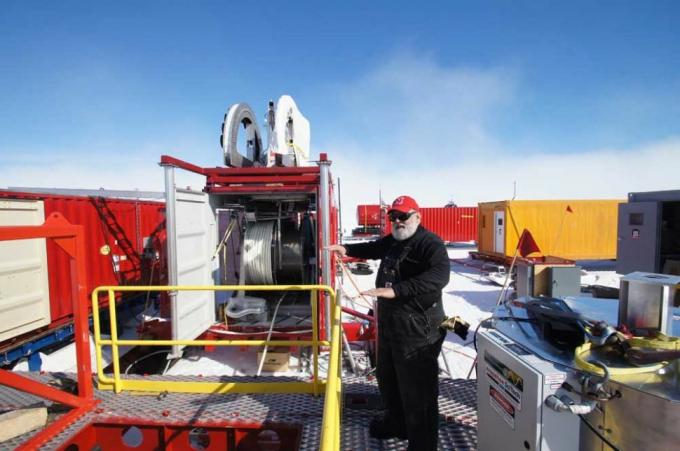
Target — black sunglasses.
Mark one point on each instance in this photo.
(401, 217)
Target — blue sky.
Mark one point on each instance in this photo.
(405, 96)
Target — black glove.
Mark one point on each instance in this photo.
(456, 324)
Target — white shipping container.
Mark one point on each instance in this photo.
(24, 287)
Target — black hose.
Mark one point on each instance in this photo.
(596, 432)
(474, 336)
(145, 357)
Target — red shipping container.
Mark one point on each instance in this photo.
(368, 215)
(124, 240)
(451, 224)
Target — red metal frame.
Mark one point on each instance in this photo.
(71, 239)
(214, 435)
(307, 179)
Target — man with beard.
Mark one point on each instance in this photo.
(413, 270)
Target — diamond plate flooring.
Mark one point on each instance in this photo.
(457, 405)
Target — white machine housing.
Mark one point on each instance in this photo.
(512, 385)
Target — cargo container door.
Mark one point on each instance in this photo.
(24, 289)
(499, 235)
(193, 312)
(637, 240)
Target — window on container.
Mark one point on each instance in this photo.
(636, 219)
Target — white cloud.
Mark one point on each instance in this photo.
(602, 174)
(414, 108)
(431, 138)
(94, 170)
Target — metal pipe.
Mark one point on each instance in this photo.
(171, 230)
(324, 207)
(345, 341)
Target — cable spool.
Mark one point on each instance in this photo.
(258, 253)
(272, 255)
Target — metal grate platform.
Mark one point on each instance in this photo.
(457, 404)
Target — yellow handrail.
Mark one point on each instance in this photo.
(330, 435)
(119, 384)
(332, 408)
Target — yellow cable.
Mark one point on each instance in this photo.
(659, 342)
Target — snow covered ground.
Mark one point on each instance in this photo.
(467, 295)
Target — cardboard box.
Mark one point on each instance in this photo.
(277, 359)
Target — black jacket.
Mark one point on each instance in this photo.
(422, 272)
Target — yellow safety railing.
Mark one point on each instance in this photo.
(118, 384)
(332, 413)
(332, 408)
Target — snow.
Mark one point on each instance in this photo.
(468, 295)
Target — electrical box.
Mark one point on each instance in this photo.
(564, 281)
(512, 385)
(550, 276)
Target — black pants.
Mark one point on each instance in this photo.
(408, 373)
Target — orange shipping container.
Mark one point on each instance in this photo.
(572, 229)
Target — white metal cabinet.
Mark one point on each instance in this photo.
(24, 286)
(193, 312)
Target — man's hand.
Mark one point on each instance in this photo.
(338, 249)
(387, 293)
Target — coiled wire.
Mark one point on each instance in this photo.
(257, 253)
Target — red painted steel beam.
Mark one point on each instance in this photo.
(264, 179)
(27, 385)
(81, 330)
(261, 189)
(55, 227)
(172, 161)
(299, 170)
(358, 314)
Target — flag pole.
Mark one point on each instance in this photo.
(522, 237)
(559, 232)
(509, 273)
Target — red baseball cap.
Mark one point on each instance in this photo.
(404, 204)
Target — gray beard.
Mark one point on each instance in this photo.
(405, 233)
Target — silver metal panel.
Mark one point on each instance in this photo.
(637, 237)
(639, 421)
(524, 283)
(647, 301)
(565, 281)
(24, 288)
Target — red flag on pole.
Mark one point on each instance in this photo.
(569, 209)
(527, 245)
